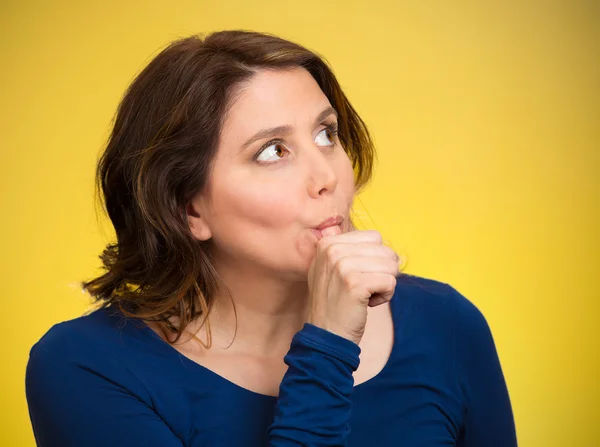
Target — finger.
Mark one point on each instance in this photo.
(365, 264)
(376, 300)
(337, 251)
(333, 235)
(331, 231)
(368, 236)
(375, 285)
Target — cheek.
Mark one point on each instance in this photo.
(261, 207)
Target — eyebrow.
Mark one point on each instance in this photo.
(286, 130)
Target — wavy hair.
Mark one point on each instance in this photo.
(163, 140)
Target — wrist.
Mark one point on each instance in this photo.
(336, 329)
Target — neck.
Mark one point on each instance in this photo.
(262, 311)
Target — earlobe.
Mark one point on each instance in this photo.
(198, 225)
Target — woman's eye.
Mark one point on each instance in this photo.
(276, 149)
(328, 140)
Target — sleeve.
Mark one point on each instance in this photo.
(72, 404)
(489, 417)
(314, 406)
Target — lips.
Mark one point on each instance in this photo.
(335, 220)
(332, 221)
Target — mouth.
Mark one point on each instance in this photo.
(332, 221)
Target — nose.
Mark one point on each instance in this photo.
(322, 177)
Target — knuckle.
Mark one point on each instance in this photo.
(323, 244)
(392, 283)
(340, 267)
(376, 235)
(332, 252)
(393, 267)
(388, 251)
(350, 281)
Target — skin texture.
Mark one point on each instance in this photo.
(350, 272)
(260, 214)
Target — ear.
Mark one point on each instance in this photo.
(196, 215)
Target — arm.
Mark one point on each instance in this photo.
(489, 418)
(76, 401)
(314, 404)
(72, 405)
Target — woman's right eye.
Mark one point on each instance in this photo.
(273, 148)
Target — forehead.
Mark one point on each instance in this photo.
(273, 98)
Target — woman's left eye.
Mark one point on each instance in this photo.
(326, 136)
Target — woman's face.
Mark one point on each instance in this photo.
(279, 172)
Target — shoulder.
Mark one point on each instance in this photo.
(439, 304)
(86, 384)
(76, 337)
(434, 317)
(73, 351)
(425, 292)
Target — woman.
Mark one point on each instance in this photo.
(240, 306)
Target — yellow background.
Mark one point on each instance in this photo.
(485, 116)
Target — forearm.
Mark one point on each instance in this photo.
(314, 402)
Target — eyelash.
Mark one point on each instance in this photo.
(331, 127)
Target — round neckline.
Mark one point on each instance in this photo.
(192, 364)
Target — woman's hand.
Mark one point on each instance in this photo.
(349, 272)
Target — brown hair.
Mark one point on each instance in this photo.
(159, 154)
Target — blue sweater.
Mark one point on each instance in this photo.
(105, 380)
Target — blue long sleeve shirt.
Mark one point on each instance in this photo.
(106, 380)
